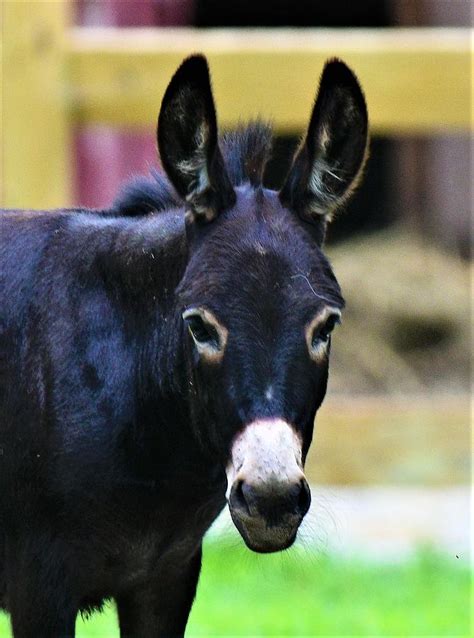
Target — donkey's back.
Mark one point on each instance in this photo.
(24, 238)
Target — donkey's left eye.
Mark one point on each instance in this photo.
(202, 332)
(322, 334)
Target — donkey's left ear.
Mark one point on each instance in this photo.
(330, 161)
(187, 142)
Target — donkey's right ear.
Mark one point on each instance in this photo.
(187, 142)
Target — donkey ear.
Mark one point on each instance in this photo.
(330, 161)
(187, 142)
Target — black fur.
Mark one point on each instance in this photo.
(114, 432)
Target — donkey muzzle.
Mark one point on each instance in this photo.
(269, 495)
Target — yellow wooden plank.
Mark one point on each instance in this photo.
(377, 441)
(35, 143)
(416, 80)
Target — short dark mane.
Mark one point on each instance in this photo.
(246, 151)
(145, 194)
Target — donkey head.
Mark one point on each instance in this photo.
(258, 298)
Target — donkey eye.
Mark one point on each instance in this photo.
(202, 332)
(208, 334)
(318, 333)
(322, 334)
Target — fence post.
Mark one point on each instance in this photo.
(35, 144)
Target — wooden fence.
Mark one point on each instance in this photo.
(55, 77)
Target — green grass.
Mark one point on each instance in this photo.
(299, 593)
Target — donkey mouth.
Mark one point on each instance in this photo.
(269, 523)
(264, 539)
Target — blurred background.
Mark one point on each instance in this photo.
(386, 546)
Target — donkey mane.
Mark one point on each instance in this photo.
(246, 151)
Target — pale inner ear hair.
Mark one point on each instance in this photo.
(196, 165)
(209, 351)
(196, 168)
(319, 352)
(325, 203)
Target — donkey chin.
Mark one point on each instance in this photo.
(268, 493)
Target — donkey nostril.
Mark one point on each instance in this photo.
(304, 498)
(238, 493)
(267, 502)
(238, 497)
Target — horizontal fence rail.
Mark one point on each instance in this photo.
(415, 80)
(55, 77)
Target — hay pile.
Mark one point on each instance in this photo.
(406, 328)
